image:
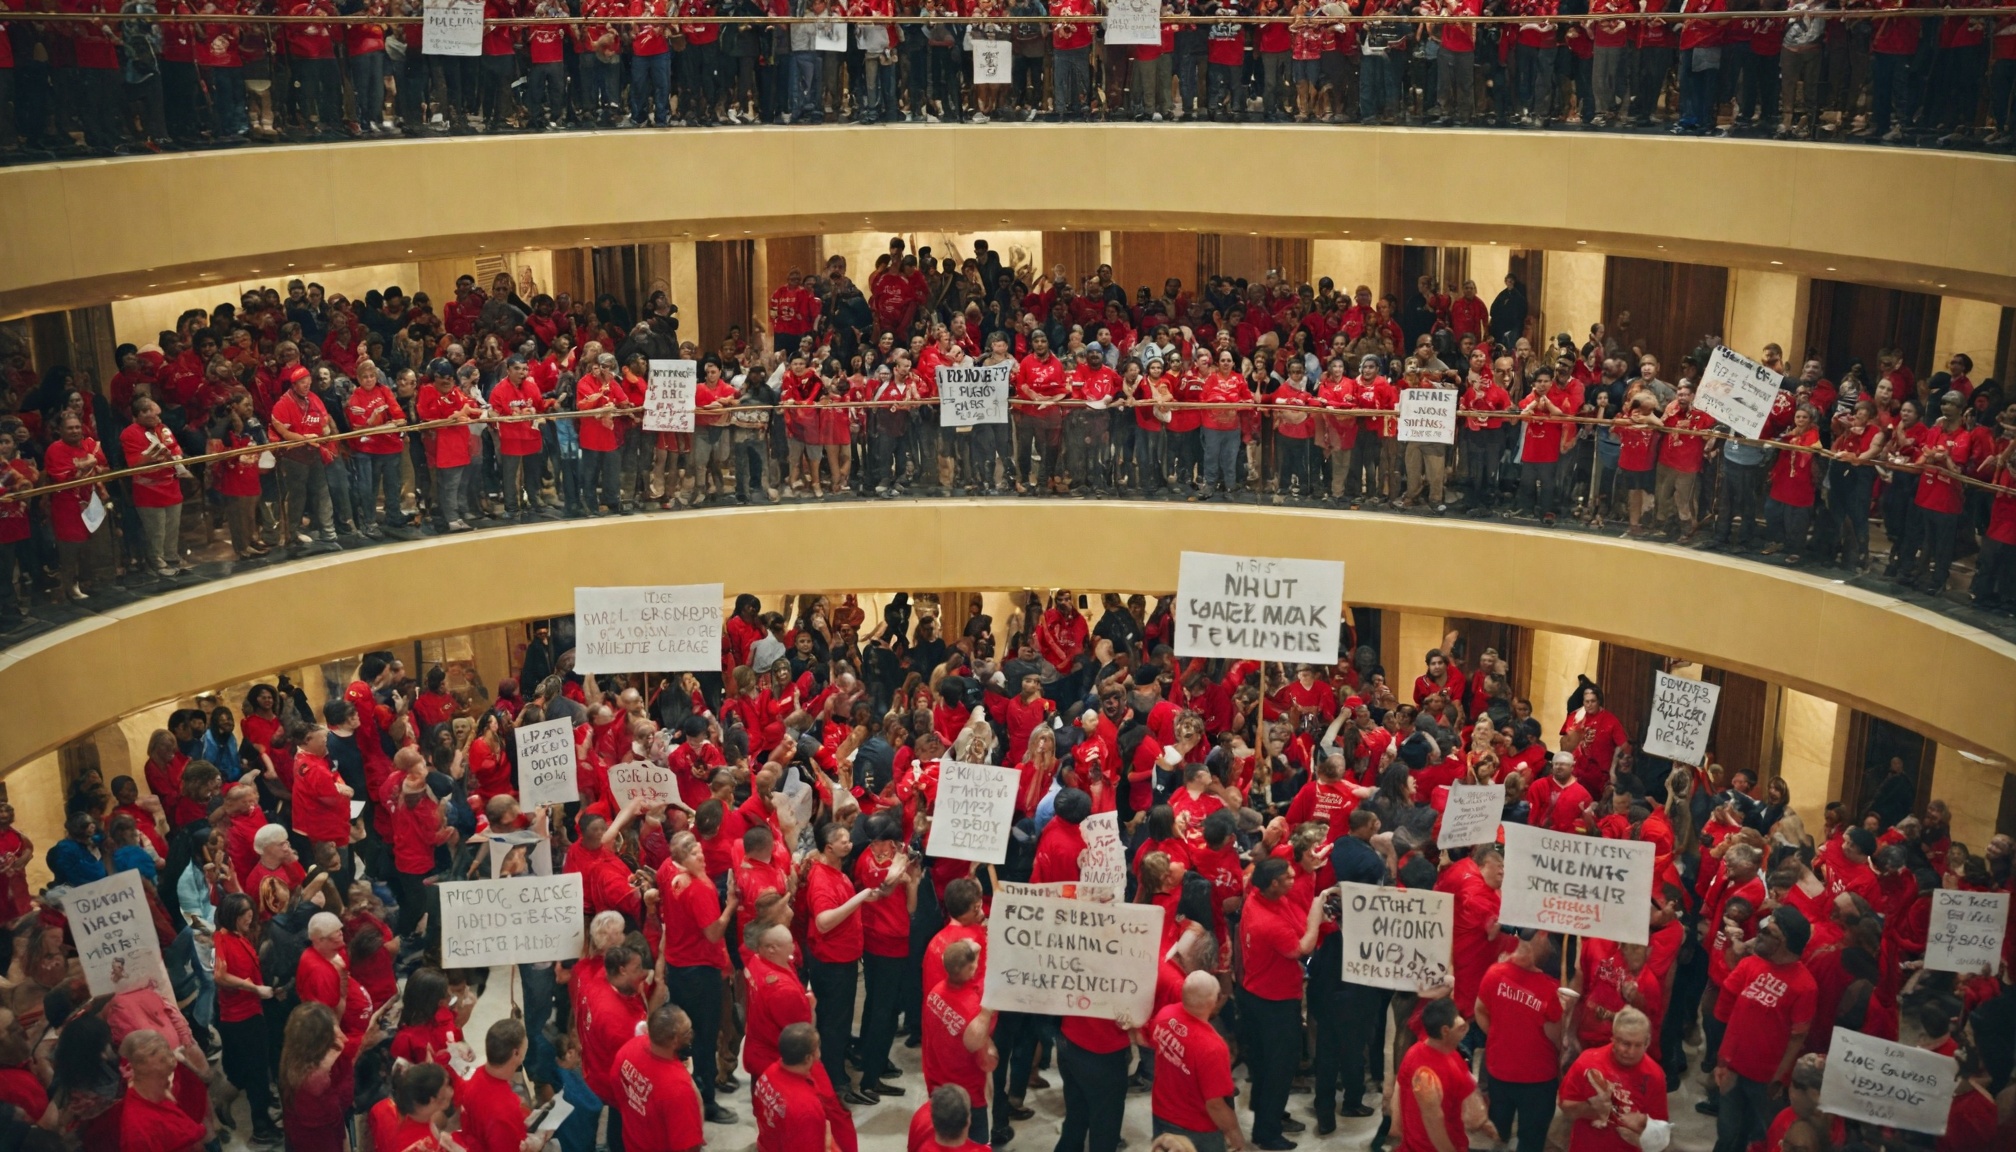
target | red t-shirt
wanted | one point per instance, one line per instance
(948, 1010)
(660, 1106)
(1683, 453)
(156, 1126)
(156, 487)
(885, 923)
(924, 1138)
(1192, 1065)
(1453, 1071)
(1937, 491)
(1639, 1088)
(609, 1020)
(1522, 1003)
(1270, 933)
(1763, 1003)
(237, 956)
(790, 1117)
(828, 888)
(493, 1120)
(776, 1001)
(689, 904)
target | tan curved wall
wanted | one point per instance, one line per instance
(1872, 652)
(83, 232)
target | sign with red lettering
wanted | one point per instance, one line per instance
(1580, 885)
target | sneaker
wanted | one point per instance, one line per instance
(1155, 118)
(459, 526)
(719, 1115)
(77, 592)
(979, 118)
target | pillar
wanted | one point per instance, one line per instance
(1571, 293)
(1488, 265)
(682, 283)
(1972, 790)
(1558, 659)
(1972, 327)
(1347, 262)
(35, 789)
(1767, 308)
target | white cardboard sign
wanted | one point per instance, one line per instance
(1472, 815)
(1062, 957)
(671, 395)
(1258, 607)
(1880, 1082)
(452, 28)
(1683, 712)
(639, 780)
(520, 920)
(114, 930)
(1395, 938)
(1583, 885)
(974, 394)
(663, 628)
(1133, 22)
(974, 813)
(1737, 390)
(1428, 415)
(539, 854)
(993, 62)
(546, 763)
(1104, 860)
(1966, 931)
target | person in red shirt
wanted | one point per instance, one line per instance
(1994, 586)
(1933, 523)
(1436, 1096)
(943, 1122)
(791, 1115)
(1060, 638)
(79, 546)
(655, 1095)
(1788, 510)
(1767, 1004)
(449, 447)
(835, 945)
(298, 416)
(1520, 1012)
(493, 1120)
(1540, 449)
(1224, 456)
(157, 494)
(776, 998)
(1273, 939)
(311, 51)
(1193, 1068)
(693, 950)
(151, 1119)
(612, 1007)
(794, 310)
(1560, 801)
(1614, 1088)
(520, 443)
(958, 1046)
(1677, 485)
(372, 404)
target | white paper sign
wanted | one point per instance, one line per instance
(1104, 860)
(115, 935)
(1683, 711)
(974, 813)
(1966, 931)
(1133, 22)
(502, 844)
(1058, 957)
(670, 395)
(1395, 938)
(1583, 885)
(1737, 390)
(1472, 815)
(1895, 1085)
(830, 37)
(803, 797)
(973, 395)
(1258, 607)
(557, 1112)
(519, 920)
(664, 628)
(94, 513)
(546, 763)
(1428, 415)
(651, 783)
(992, 62)
(452, 28)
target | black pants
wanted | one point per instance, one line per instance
(1994, 574)
(1539, 487)
(246, 1063)
(1272, 1044)
(833, 985)
(1327, 1003)
(698, 992)
(1530, 1105)
(1481, 451)
(1095, 1097)
(321, 91)
(882, 978)
(1930, 538)
(1015, 1037)
(1359, 1014)
(1742, 487)
(1744, 1112)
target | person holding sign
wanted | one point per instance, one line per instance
(1615, 1089)
(1766, 1006)
(1270, 992)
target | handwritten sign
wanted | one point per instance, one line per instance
(1134, 22)
(1880, 1082)
(992, 62)
(829, 36)
(519, 920)
(452, 28)
(115, 934)
(637, 780)
(670, 395)
(1737, 390)
(538, 851)
(976, 394)
(1258, 607)
(1472, 815)
(1104, 860)
(1683, 711)
(1579, 884)
(1062, 957)
(665, 628)
(1966, 931)
(974, 813)
(1428, 416)
(1395, 938)
(546, 763)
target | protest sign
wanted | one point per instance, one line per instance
(114, 930)
(1878, 1081)
(1428, 415)
(670, 395)
(1104, 860)
(1058, 957)
(1258, 607)
(1471, 816)
(546, 763)
(1683, 711)
(1064, 890)
(518, 920)
(1737, 391)
(1395, 938)
(1966, 931)
(539, 851)
(452, 28)
(829, 36)
(977, 394)
(663, 628)
(1134, 22)
(637, 780)
(974, 812)
(803, 798)
(993, 62)
(1585, 885)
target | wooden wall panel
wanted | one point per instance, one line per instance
(1854, 321)
(574, 273)
(1077, 251)
(1672, 306)
(1252, 257)
(1625, 675)
(1474, 636)
(1148, 258)
(1742, 713)
(725, 271)
(783, 253)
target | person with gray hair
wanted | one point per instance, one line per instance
(1616, 1085)
(151, 1118)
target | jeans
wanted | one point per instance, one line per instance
(804, 84)
(227, 102)
(520, 481)
(1848, 495)
(367, 86)
(451, 495)
(546, 94)
(321, 91)
(697, 990)
(539, 981)
(1697, 92)
(1787, 523)
(1151, 454)
(1535, 69)
(1227, 89)
(1539, 484)
(304, 480)
(1929, 538)
(1222, 463)
(651, 88)
(601, 88)
(1379, 85)
(1745, 1111)
(1890, 92)
(373, 474)
(1612, 68)
(1482, 450)
(833, 985)
(1095, 1097)
(1742, 485)
(1150, 92)
(1456, 84)
(162, 528)
(1071, 80)
(752, 460)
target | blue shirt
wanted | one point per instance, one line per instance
(72, 863)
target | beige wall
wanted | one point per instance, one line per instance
(1348, 262)
(1558, 659)
(1418, 632)
(1811, 735)
(1571, 293)
(1973, 791)
(1970, 326)
(1766, 308)
(140, 319)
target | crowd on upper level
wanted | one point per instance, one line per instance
(124, 84)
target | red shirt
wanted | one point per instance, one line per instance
(1224, 388)
(1192, 1065)
(689, 904)
(518, 437)
(1543, 437)
(948, 1010)
(1938, 491)
(321, 813)
(157, 1126)
(790, 1116)
(776, 1000)
(1453, 1071)
(1639, 1088)
(1683, 453)
(660, 1106)
(66, 508)
(447, 447)
(885, 923)
(156, 487)
(1792, 472)
(827, 888)
(609, 1020)
(1763, 1004)
(1270, 934)
(1522, 1003)
(492, 1118)
(236, 956)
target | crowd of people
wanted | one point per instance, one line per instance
(778, 927)
(341, 422)
(112, 80)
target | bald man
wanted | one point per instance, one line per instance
(1193, 1070)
